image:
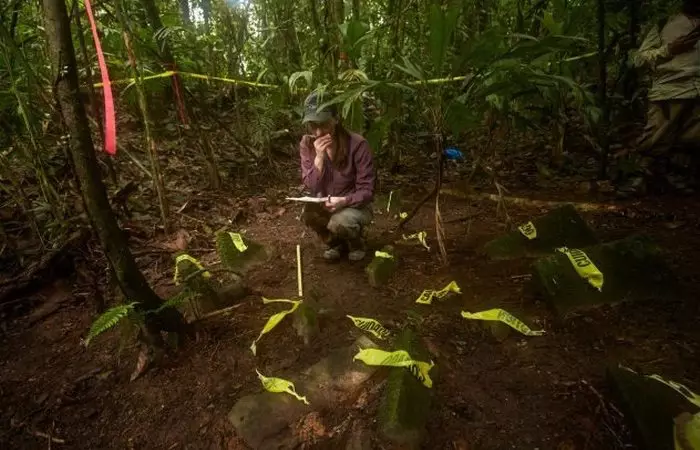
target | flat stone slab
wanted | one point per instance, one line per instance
(632, 268)
(561, 227)
(650, 407)
(405, 406)
(268, 420)
(381, 269)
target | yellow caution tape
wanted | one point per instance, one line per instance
(186, 257)
(688, 436)
(584, 266)
(371, 326)
(426, 298)
(399, 358)
(505, 317)
(528, 230)
(170, 73)
(421, 235)
(279, 385)
(384, 255)
(274, 319)
(238, 242)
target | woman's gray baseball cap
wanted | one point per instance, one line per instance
(313, 114)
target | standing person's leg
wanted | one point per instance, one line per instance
(686, 163)
(651, 146)
(348, 224)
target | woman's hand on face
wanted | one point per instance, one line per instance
(323, 145)
(335, 203)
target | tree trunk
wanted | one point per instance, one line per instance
(67, 91)
(153, 15)
(356, 10)
(603, 92)
(206, 12)
(185, 11)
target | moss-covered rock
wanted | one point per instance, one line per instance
(632, 268)
(562, 227)
(650, 407)
(239, 259)
(381, 268)
(405, 405)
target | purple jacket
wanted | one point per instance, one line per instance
(355, 181)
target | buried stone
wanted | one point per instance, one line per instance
(268, 420)
(237, 252)
(632, 269)
(650, 407)
(382, 267)
(405, 405)
(561, 227)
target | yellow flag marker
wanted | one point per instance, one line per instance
(686, 432)
(384, 255)
(403, 215)
(584, 266)
(279, 385)
(371, 326)
(388, 204)
(186, 257)
(427, 296)
(421, 235)
(238, 242)
(399, 358)
(505, 317)
(528, 230)
(275, 319)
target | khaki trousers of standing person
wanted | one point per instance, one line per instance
(671, 125)
(347, 224)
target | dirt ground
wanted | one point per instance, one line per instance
(545, 392)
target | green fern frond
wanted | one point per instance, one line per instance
(176, 300)
(107, 320)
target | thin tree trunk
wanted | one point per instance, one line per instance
(185, 11)
(67, 91)
(355, 9)
(153, 15)
(158, 183)
(603, 91)
(92, 97)
(206, 12)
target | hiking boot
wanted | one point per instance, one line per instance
(332, 253)
(357, 250)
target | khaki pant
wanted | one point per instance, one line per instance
(671, 124)
(346, 224)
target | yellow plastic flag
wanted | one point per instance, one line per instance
(238, 242)
(504, 316)
(584, 266)
(275, 319)
(371, 326)
(278, 385)
(528, 230)
(427, 296)
(421, 235)
(403, 215)
(399, 358)
(186, 257)
(686, 433)
(384, 255)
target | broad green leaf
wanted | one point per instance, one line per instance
(294, 78)
(411, 69)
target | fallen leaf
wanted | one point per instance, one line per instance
(180, 241)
